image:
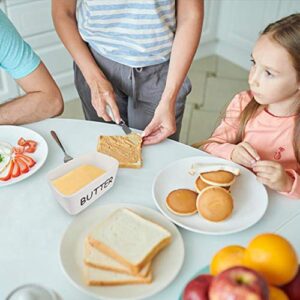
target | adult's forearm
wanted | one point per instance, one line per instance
(66, 27)
(32, 107)
(185, 44)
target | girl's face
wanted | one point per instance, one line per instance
(273, 78)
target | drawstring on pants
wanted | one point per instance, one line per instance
(132, 78)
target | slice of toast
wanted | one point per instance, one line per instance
(130, 239)
(95, 276)
(127, 149)
(95, 258)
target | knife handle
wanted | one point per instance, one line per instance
(109, 112)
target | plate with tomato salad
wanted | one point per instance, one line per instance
(22, 152)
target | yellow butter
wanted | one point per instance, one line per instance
(76, 179)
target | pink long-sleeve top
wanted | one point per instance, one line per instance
(269, 135)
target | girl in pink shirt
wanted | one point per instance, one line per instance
(261, 127)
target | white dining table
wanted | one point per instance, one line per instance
(32, 222)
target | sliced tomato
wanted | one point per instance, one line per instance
(30, 148)
(16, 169)
(18, 149)
(9, 172)
(22, 164)
(21, 141)
(28, 160)
(31, 143)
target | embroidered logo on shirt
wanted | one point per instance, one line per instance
(277, 155)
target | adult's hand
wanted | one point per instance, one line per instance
(102, 95)
(188, 30)
(161, 126)
(64, 18)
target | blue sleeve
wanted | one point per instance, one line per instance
(16, 56)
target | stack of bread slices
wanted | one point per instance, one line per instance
(120, 250)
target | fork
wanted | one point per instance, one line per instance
(67, 156)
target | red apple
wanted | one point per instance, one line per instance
(239, 283)
(292, 289)
(197, 289)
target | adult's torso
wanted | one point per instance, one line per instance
(133, 33)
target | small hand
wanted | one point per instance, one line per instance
(273, 175)
(102, 94)
(244, 154)
(161, 126)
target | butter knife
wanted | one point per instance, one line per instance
(125, 128)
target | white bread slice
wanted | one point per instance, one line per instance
(95, 258)
(127, 149)
(130, 239)
(95, 276)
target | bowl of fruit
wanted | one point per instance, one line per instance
(266, 269)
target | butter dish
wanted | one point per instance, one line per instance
(86, 195)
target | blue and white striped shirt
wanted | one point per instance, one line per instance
(136, 33)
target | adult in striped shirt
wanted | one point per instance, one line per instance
(132, 56)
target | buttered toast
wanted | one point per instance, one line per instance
(127, 149)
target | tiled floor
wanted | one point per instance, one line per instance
(215, 81)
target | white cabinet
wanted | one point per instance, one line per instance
(241, 21)
(210, 28)
(8, 88)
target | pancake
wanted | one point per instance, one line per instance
(200, 185)
(214, 204)
(182, 202)
(218, 178)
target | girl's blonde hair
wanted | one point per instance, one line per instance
(285, 32)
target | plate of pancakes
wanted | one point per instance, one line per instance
(209, 195)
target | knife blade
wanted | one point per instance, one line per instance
(125, 128)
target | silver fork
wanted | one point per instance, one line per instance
(67, 156)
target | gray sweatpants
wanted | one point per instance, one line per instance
(138, 92)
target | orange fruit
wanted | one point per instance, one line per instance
(277, 294)
(230, 256)
(272, 256)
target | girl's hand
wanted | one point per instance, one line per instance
(244, 154)
(102, 94)
(273, 175)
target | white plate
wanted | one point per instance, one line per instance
(166, 265)
(11, 134)
(250, 197)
